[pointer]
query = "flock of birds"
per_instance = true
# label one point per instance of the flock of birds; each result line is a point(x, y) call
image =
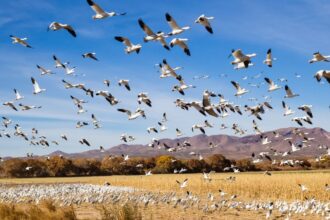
point(205, 107)
point(76, 194)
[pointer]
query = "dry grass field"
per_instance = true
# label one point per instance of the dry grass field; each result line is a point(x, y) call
point(248, 186)
point(251, 185)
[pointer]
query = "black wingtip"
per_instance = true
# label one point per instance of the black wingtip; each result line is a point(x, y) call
point(141, 23)
point(90, 2)
point(187, 51)
point(209, 29)
point(168, 17)
point(72, 32)
point(119, 38)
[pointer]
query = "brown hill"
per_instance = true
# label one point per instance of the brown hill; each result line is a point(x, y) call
point(230, 146)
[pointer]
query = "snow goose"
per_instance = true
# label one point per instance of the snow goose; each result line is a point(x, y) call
point(183, 184)
point(106, 82)
point(124, 82)
point(171, 71)
point(178, 132)
point(152, 129)
point(322, 73)
point(207, 106)
point(131, 116)
point(69, 70)
point(18, 95)
point(90, 55)
point(151, 36)
point(317, 57)
point(22, 41)
point(200, 127)
point(143, 97)
point(125, 157)
point(241, 60)
point(64, 137)
point(162, 126)
point(127, 138)
point(77, 101)
point(207, 124)
point(129, 46)
point(272, 85)
point(6, 121)
point(183, 86)
point(81, 124)
point(36, 87)
point(207, 176)
point(289, 93)
point(287, 109)
point(164, 119)
point(58, 63)
point(300, 120)
point(95, 122)
point(269, 58)
point(181, 42)
point(198, 106)
point(108, 96)
point(205, 21)
point(303, 188)
point(149, 173)
point(307, 109)
point(84, 141)
point(264, 140)
point(28, 107)
point(44, 71)
point(11, 105)
point(176, 29)
point(239, 89)
point(54, 26)
point(256, 128)
point(100, 13)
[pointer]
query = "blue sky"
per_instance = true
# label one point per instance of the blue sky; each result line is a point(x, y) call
point(293, 29)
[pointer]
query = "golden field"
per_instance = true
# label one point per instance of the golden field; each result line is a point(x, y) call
point(248, 186)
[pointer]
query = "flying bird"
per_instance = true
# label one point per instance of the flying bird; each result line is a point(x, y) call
point(317, 57)
point(22, 41)
point(44, 71)
point(183, 184)
point(205, 21)
point(287, 109)
point(90, 55)
point(100, 13)
point(239, 90)
point(289, 93)
point(307, 109)
point(18, 95)
point(124, 82)
point(55, 26)
point(151, 36)
point(272, 85)
point(322, 73)
point(181, 42)
point(133, 115)
point(129, 46)
point(269, 58)
point(241, 60)
point(176, 29)
point(36, 87)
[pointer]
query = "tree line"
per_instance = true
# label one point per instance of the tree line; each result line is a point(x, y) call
point(58, 166)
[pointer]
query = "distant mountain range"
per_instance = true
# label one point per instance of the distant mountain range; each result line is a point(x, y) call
point(232, 147)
